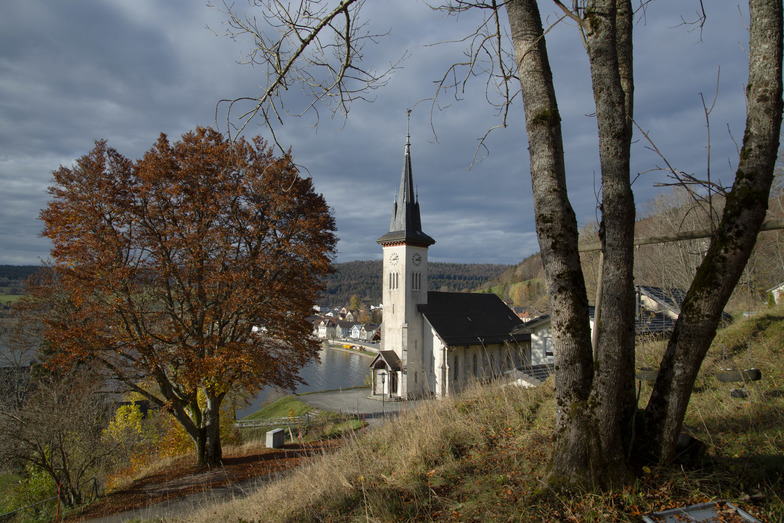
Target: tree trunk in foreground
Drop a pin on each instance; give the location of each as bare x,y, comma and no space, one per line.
608,25
202,424
595,400
556,227
210,452
734,238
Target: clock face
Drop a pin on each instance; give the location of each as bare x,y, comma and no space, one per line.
417,259
393,258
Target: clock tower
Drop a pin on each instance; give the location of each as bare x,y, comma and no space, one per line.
404,288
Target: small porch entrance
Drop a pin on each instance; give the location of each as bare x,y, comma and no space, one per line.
385,370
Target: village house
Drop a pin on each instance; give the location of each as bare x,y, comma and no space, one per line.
343,328
327,329
364,332
435,343
370,332
656,311
776,292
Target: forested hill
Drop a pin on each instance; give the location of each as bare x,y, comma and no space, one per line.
363,278
522,284
17,272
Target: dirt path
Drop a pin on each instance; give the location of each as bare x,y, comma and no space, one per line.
179,507
182,487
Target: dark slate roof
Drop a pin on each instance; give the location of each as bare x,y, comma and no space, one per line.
469,319
406,226
534,374
647,322
386,359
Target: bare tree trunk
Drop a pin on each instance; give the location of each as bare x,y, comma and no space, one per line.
212,452
201,424
734,238
609,39
577,446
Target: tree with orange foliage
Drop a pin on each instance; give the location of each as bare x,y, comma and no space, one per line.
186,275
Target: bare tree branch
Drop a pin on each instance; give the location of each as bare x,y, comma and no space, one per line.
308,46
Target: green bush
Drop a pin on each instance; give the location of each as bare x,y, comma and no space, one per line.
28,490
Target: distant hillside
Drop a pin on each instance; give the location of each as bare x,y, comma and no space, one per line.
363,278
521,284
12,284
17,272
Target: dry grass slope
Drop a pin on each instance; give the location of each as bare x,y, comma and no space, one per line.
482,456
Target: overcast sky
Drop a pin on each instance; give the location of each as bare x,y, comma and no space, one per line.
126,70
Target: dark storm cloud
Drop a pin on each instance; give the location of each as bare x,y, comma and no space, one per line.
74,72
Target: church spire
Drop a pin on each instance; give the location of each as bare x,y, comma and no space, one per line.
406,225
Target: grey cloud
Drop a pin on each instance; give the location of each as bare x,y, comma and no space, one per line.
125,71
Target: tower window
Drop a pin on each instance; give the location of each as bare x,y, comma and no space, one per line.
393,280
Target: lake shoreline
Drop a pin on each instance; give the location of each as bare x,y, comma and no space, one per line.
368,353
335,369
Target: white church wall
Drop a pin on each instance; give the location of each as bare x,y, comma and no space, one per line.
440,374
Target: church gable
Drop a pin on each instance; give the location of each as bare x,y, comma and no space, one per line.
386,359
469,318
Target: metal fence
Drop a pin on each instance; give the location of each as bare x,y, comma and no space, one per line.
291,421
8,516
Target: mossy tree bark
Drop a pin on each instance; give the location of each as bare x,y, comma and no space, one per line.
734,238
556,227
608,30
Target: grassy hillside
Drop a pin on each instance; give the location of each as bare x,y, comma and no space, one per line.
282,408
483,455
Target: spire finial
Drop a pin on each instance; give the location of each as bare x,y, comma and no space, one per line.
408,127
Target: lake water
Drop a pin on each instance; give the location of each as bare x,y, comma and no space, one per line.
337,370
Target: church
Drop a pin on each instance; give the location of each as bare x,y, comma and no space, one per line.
434,344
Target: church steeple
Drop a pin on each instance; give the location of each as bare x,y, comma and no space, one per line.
406,225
